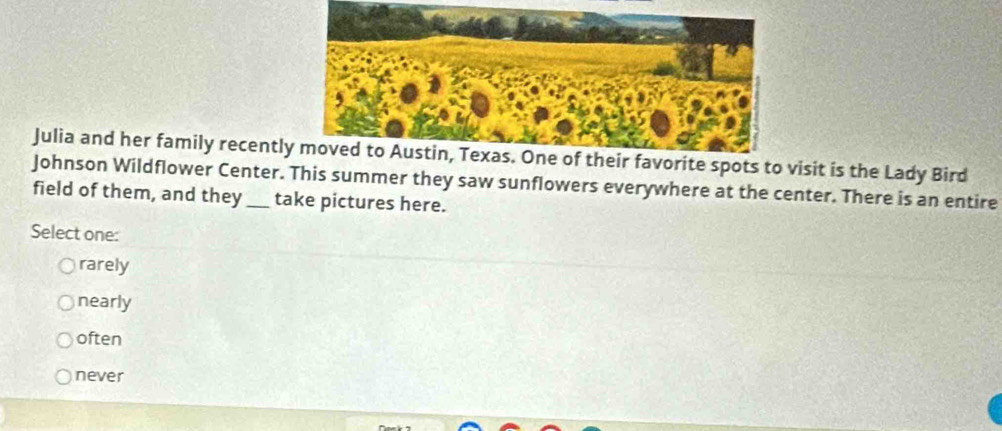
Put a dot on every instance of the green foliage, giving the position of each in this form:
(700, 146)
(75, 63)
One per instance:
(666, 68)
(352, 22)
(693, 57)
(716, 31)
(440, 25)
(361, 122)
(730, 32)
(744, 133)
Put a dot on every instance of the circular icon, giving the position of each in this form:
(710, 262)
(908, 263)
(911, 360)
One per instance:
(995, 409)
(549, 427)
(67, 266)
(65, 302)
(470, 426)
(591, 428)
(63, 376)
(510, 426)
(64, 340)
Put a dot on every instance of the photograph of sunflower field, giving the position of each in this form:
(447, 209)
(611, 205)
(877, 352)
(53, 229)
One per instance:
(539, 77)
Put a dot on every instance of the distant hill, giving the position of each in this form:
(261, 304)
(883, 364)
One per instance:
(510, 16)
(458, 14)
(662, 22)
(591, 19)
(353, 21)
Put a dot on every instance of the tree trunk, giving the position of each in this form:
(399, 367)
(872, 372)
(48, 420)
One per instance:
(709, 62)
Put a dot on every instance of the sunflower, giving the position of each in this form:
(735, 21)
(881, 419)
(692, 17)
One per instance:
(565, 125)
(573, 97)
(602, 108)
(643, 96)
(730, 123)
(709, 111)
(544, 134)
(344, 66)
(458, 115)
(591, 122)
(724, 107)
(743, 102)
(384, 71)
(696, 102)
(396, 124)
(683, 136)
(340, 96)
(663, 125)
(440, 112)
(520, 104)
(499, 128)
(409, 91)
(535, 88)
(541, 110)
(363, 84)
(510, 95)
(628, 98)
(482, 99)
(715, 140)
(690, 119)
(439, 82)
(636, 117)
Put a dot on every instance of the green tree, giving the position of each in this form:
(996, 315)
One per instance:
(494, 28)
(715, 31)
(473, 27)
(379, 11)
(440, 24)
(521, 28)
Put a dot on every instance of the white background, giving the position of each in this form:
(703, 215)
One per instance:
(519, 304)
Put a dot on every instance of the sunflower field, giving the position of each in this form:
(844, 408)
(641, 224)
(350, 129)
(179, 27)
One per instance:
(455, 88)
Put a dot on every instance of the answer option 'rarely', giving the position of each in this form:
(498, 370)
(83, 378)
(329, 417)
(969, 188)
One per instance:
(114, 265)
